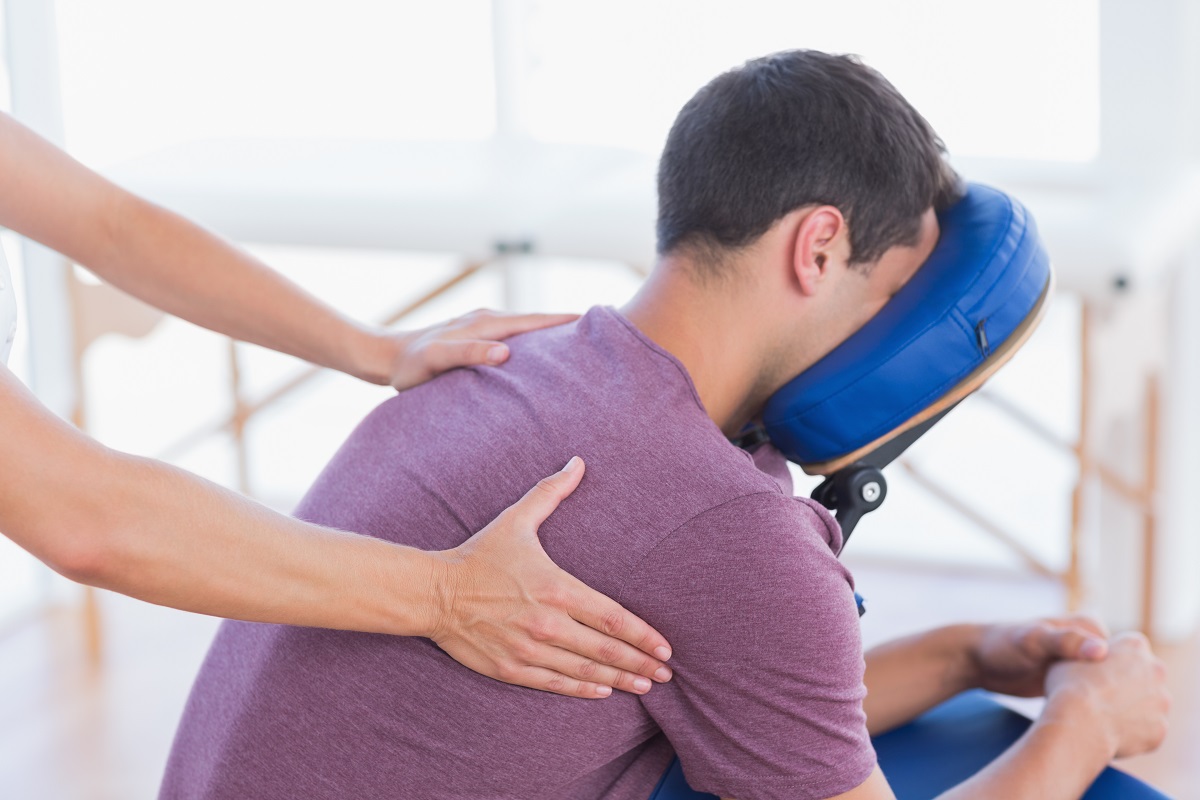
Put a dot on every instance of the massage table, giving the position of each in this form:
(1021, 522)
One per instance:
(961, 317)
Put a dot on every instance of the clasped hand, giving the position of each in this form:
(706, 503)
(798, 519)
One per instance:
(1014, 659)
(1112, 691)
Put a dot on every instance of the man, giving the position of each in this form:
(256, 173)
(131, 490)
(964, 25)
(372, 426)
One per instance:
(797, 194)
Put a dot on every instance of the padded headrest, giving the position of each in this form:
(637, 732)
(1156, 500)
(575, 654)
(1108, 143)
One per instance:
(962, 315)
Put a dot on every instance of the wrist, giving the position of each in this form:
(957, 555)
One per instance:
(965, 665)
(372, 354)
(1074, 709)
(442, 582)
(416, 590)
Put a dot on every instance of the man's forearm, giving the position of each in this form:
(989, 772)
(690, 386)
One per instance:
(1058, 758)
(909, 676)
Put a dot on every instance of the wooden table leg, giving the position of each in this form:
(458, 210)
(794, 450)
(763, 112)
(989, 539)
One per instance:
(1073, 577)
(1149, 505)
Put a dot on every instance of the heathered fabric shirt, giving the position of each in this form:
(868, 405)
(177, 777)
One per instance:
(671, 520)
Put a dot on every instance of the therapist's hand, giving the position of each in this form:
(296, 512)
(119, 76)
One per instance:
(1015, 659)
(408, 358)
(509, 613)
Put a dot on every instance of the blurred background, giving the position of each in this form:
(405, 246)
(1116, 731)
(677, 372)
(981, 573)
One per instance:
(419, 160)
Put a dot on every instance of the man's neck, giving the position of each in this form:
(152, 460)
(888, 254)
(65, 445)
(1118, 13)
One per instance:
(714, 334)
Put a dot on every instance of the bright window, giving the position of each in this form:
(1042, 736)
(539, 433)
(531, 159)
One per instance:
(1017, 79)
(138, 75)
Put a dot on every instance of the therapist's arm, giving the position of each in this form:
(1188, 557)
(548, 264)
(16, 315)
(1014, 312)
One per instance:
(175, 265)
(136, 526)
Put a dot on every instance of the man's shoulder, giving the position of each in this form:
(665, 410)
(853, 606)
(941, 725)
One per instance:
(757, 566)
(763, 548)
(759, 525)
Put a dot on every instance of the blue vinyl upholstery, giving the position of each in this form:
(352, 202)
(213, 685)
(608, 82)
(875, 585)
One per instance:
(940, 750)
(983, 279)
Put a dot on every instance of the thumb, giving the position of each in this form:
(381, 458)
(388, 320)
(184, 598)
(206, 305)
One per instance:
(541, 501)
(451, 353)
(1076, 644)
(1089, 624)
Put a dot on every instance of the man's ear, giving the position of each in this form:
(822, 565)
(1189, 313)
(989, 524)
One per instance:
(816, 236)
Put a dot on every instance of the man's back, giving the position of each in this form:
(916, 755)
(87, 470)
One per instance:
(671, 520)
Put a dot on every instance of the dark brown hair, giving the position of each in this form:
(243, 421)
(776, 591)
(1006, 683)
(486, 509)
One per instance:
(792, 129)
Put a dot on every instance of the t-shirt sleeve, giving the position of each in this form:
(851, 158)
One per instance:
(767, 696)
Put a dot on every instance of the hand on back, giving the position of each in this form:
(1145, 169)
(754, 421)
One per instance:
(510, 613)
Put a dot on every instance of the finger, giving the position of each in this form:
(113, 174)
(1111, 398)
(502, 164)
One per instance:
(446, 354)
(1090, 624)
(547, 680)
(502, 326)
(541, 501)
(608, 617)
(1075, 644)
(583, 642)
(590, 670)
(1133, 640)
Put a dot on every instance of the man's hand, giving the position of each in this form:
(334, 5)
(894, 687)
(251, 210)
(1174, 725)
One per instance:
(1121, 701)
(509, 613)
(1097, 709)
(1014, 659)
(409, 358)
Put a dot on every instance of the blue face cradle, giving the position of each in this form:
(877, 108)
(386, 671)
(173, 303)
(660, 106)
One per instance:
(964, 313)
(968, 308)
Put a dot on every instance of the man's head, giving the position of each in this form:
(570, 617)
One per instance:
(795, 129)
(796, 195)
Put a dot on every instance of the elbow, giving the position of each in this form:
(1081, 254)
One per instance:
(81, 532)
(100, 534)
(67, 504)
(83, 553)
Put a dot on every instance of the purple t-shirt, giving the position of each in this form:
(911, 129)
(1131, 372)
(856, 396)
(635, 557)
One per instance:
(673, 521)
